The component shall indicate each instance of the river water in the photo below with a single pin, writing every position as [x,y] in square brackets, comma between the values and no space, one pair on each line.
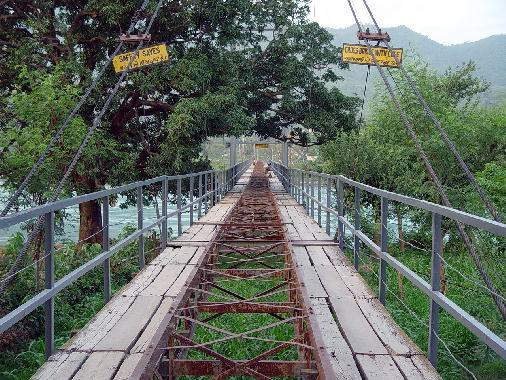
[119,218]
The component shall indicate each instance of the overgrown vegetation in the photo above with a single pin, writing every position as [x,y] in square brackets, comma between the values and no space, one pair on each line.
[382,155]
[22,346]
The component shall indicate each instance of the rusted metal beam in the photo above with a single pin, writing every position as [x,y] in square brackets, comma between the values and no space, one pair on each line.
[211,367]
[246,307]
[250,245]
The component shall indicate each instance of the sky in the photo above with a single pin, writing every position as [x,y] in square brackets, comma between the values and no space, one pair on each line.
[445,21]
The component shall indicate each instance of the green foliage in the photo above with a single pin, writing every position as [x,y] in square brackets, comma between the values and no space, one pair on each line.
[382,155]
[22,346]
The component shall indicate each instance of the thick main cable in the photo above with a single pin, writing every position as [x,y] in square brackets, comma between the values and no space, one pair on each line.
[56,137]
[444,135]
[501,305]
[70,169]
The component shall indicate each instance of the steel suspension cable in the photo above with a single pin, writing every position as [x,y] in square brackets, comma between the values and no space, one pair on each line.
[56,137]
[501,305]
[73,163]
[444,135]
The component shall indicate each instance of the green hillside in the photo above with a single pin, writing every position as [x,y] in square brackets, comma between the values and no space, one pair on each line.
[489,54]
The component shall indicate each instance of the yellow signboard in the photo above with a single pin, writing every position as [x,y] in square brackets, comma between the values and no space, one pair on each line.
[261,146]
[145,57]
[359,54]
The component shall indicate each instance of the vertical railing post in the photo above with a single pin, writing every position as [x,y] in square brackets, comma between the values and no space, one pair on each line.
[435,280]
[105,247]
[217,185]
[356,239]
[179,205]
[206,193]
[319,200]
[340,212]
[199,212]
[192,185]
[290,187]
[49,283]
[312,184]
[165,194]
[222,183]
[329,203]
[140,225]
[384,247]
[302,196]
[213,193]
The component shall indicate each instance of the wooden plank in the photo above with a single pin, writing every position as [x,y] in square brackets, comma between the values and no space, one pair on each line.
[190,232]
[339,351]
[100,365]
[416,367]
[62,365]
[389,332]
[311,224]
[292,232]
[332,282]
[312,282]
[379,367]
[335,256]
[298,223]
[100,325]
[198,254]
[143,342]
[318,256]
[122,336]
[126,369]
[164,257]
[184,276]
[354,282]
[301,257]
[180,255]
[141,281]
[355,327]
[164,280]
[205,233]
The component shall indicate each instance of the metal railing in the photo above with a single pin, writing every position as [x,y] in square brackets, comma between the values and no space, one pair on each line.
[301,185]
[211,187]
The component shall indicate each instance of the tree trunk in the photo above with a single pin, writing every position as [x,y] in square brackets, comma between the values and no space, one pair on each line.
[90,223]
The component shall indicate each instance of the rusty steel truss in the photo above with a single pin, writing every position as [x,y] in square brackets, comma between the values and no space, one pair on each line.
[247,280]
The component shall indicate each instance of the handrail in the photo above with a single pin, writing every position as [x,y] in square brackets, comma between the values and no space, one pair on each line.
[24,215]
[295,181]
[212,185]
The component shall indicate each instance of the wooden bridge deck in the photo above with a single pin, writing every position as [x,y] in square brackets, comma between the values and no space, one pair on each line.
[359,335]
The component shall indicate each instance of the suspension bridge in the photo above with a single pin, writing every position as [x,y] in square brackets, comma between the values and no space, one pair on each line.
[264,250]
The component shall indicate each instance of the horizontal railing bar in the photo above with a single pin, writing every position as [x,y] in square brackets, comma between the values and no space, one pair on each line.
[488,337]
[23,310]
[451,213]
[37,211]
[489,225]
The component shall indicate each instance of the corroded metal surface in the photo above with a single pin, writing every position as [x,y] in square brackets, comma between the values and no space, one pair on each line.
[245,311]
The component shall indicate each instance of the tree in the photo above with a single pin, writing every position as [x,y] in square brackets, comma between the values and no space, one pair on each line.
[382,154]
[236,67]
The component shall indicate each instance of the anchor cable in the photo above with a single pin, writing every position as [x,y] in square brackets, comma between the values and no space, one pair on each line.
[501,305]
[444,135]
[73,163]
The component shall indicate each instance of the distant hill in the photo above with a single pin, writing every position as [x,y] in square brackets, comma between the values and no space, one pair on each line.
[489,54]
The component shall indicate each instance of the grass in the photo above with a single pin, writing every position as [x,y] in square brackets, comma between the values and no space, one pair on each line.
[74,306]
[411,312]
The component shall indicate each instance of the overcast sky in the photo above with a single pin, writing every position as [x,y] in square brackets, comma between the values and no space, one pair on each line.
[445,21]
